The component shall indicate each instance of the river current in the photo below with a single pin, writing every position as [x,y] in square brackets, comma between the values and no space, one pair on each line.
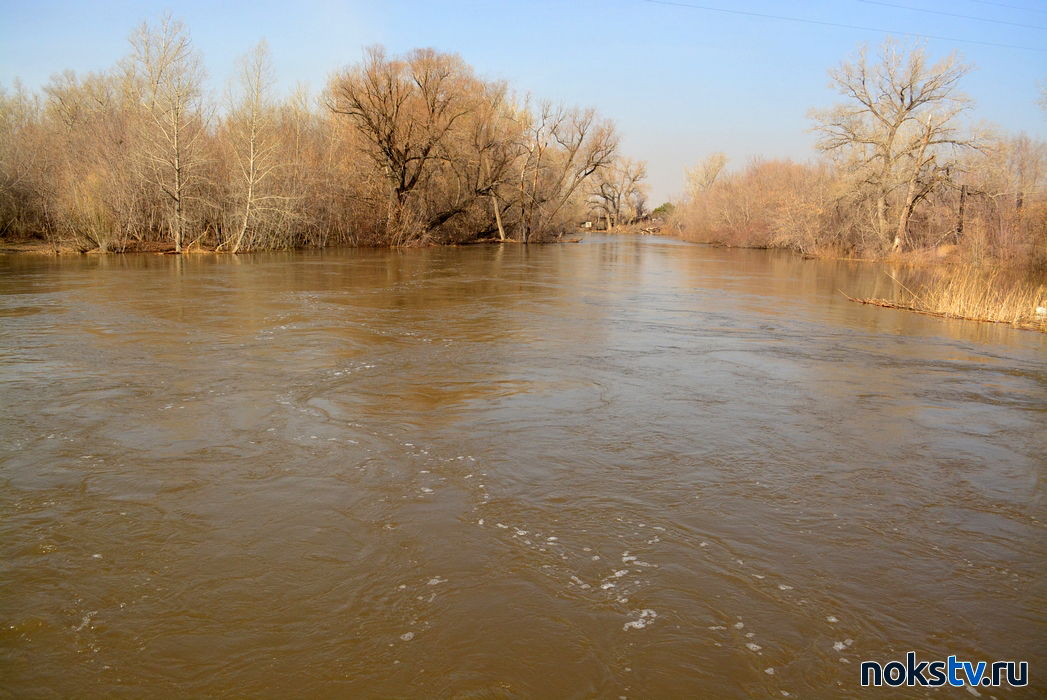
[625,468]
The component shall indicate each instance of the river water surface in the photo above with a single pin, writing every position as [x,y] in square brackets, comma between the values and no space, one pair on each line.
[624,468]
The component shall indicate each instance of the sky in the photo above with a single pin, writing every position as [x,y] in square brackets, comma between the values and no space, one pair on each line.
[680,79]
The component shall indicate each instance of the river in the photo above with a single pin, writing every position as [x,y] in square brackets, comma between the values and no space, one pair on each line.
[625,468]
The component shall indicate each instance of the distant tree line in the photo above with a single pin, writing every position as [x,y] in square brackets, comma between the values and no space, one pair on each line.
[398,150]
[901,172]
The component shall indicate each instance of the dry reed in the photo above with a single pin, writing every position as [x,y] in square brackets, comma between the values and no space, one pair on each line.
[975,295]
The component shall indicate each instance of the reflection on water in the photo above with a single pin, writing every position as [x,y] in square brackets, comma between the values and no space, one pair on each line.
[621,468]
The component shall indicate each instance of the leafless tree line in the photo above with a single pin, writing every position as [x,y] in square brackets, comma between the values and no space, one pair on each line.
[901,172]
[398,150]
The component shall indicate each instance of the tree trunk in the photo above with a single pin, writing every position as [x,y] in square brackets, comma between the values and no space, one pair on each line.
[498,217]
[910,195]
[881,217]
[959,221]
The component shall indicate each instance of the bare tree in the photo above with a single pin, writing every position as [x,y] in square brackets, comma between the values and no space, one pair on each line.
[167,74]
[251,129]
[25,166]
[702,176]
[898,128]
[562,147]
[406,109]
[616,188]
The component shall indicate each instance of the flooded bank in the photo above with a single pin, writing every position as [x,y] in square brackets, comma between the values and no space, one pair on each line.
[621,468]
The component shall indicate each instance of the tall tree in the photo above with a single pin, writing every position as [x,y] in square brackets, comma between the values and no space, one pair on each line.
[898,129]
[166,74]
[251,129]
[407,110]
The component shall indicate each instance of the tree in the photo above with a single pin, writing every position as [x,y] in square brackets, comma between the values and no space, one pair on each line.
[251,131]
[618,192]
[166,75]
[22,161]
[561,148]
[702,176]
[898,130]
[407,110]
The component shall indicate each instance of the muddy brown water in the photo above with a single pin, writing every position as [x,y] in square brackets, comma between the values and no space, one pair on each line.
[623,468]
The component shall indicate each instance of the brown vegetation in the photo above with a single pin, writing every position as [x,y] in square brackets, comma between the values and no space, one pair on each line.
[974,295]
[399,151]
[901,174]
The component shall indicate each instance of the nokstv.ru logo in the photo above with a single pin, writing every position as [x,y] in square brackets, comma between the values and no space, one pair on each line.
[951,671]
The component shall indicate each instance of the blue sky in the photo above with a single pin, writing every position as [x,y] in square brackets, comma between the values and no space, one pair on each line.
[680,82]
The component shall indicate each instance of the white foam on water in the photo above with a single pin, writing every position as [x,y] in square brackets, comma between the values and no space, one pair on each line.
[436,581]
[739,625]
[832,618]
[769,671]
[753,647]
[407,636]
[783,587]
[647,617]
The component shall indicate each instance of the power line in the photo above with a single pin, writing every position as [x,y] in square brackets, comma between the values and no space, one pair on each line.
[950,14]
[1009,7]
[842,26]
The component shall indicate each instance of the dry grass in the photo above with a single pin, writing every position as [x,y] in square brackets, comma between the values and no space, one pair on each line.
[975,295]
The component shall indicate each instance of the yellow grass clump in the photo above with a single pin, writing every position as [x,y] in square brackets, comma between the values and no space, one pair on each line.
[975,295]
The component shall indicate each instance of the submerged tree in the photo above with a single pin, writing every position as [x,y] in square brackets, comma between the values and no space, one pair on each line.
[899,131]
